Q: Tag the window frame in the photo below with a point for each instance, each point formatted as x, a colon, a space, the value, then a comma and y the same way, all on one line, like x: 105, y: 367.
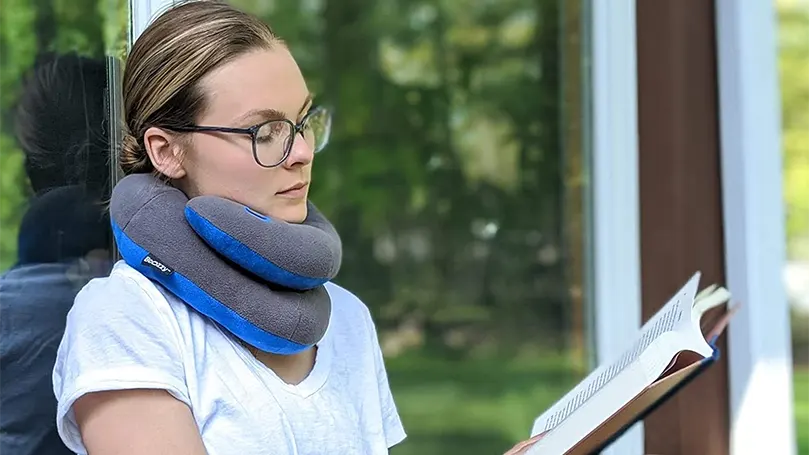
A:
x: 615, y: 190
x: 759, y: 349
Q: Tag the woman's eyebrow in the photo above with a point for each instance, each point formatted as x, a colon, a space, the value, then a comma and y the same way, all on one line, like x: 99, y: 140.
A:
x: 271, y: 114
x: 261, y: 115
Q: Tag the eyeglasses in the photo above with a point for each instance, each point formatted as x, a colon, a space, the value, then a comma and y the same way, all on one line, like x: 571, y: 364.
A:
x: 273, y: 139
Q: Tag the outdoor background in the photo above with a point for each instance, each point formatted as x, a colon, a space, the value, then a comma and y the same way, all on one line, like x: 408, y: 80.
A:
x: 458, y: 176
x: 793, y: 65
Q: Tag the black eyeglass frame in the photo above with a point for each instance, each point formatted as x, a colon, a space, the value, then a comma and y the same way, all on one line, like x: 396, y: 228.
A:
x: 297, y: 128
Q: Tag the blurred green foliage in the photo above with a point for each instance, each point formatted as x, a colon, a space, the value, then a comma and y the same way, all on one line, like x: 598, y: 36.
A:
x: 801, y: 387
x: 793, y: 63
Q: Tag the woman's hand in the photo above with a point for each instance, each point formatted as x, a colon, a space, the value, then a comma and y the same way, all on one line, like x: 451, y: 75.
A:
x: 522, y: 447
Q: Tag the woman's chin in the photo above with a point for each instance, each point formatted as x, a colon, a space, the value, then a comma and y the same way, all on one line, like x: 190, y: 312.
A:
x: 291, y: 211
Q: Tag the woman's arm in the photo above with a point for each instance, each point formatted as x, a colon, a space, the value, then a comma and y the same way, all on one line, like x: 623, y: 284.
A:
x: 119, y: 376
x: 137, y: 422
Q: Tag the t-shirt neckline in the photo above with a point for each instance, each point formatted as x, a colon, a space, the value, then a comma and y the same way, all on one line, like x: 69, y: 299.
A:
x: 313, y: 382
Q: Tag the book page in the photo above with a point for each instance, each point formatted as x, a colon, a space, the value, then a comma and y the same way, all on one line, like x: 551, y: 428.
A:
x: 593, y: 412
x: 634, y: 409
x: 682, y: 368
x: 666, y: 320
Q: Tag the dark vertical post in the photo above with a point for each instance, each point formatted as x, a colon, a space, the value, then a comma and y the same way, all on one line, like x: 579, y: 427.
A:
x: 680, y: 199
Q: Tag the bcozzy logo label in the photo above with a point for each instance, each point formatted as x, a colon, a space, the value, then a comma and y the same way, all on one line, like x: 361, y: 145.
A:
x: 157, y: 265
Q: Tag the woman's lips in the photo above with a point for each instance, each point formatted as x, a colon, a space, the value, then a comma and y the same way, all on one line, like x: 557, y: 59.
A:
x: 296, y: 191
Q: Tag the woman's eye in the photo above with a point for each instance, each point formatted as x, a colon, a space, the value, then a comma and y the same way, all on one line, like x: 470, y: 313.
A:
x: 271, y: 132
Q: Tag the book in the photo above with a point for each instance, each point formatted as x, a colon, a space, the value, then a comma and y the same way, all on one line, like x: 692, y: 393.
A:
x: 671, y: 348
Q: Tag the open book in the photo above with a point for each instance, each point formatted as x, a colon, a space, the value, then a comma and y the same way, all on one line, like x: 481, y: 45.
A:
x: 670, y: 349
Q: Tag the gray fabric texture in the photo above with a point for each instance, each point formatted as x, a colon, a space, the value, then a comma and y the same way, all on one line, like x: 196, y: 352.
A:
x: 151, y: 214
x: 311, y: 249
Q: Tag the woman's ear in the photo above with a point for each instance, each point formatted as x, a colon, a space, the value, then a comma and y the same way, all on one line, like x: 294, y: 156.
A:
x: 165, y: 152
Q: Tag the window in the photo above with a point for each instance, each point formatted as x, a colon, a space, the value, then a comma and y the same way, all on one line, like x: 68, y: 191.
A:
x: 57, y: 123
x: 458, y: 176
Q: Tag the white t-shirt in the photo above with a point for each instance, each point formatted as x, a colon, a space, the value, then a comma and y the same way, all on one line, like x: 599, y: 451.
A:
x: 124, y: 332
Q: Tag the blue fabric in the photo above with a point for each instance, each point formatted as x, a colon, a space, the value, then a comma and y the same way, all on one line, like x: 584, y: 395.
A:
x: 201, y: 301
x: 34, y: 301
x: 245, y: 257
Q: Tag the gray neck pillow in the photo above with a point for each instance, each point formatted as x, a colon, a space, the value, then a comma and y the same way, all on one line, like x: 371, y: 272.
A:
x: 258, y: 277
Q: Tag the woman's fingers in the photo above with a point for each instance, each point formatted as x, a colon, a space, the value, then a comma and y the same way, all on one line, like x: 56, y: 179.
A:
x: 521, y: 447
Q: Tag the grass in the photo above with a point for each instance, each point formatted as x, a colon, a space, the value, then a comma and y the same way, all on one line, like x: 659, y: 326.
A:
x: 485, y: 406
x: 801, y: 387
x: 481, y: 406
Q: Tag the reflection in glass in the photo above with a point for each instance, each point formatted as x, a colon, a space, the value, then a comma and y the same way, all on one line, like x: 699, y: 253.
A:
x: 457, y: 177
x: 54, y: 169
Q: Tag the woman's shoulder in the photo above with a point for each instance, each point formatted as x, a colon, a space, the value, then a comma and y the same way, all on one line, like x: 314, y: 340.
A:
x: 350, y: 317
x: 122, y: 281
x: 118, y: 291
x: 123, y: 297
x: 345, y: 302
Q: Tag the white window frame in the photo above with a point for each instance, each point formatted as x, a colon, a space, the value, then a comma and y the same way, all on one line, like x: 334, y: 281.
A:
x: 616, y: 197
x: 759, y: 349
x: 614, y: 164
x: 141, y: 13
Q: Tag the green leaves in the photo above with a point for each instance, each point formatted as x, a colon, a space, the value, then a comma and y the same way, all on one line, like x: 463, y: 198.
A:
x: 793, y: 63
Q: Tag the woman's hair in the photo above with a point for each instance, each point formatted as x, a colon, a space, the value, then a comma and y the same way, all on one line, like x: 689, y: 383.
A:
x: 61, y: 123
x: 161, y: 84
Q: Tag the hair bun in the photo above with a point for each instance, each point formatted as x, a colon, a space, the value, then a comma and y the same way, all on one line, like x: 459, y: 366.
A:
x: 133, y: 158
x: 130, y: 145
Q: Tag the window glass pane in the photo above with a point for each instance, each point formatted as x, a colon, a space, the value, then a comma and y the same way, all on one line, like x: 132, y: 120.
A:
x: 458, y: 178
x: 55, y: 129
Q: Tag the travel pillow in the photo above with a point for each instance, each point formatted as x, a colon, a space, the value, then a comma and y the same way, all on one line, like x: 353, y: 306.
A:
x: 260, y: 278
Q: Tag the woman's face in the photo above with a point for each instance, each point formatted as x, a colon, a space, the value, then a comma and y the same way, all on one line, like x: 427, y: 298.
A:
x: 256, y: 87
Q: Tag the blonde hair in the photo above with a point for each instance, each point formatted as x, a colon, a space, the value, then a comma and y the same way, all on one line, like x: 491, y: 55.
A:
x: 161, y: 83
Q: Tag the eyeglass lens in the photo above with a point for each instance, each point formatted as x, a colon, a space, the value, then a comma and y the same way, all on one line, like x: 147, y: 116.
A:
x: 273, y: 140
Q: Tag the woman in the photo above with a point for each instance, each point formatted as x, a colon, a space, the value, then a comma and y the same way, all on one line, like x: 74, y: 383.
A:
x: 138, y: 371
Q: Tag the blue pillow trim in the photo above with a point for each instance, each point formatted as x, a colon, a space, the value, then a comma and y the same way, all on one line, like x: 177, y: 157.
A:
x: 256, y: 214
x: 201, y: 301
x: 245, y: 257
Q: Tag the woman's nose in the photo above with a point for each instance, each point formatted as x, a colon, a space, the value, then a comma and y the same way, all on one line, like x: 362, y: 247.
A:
x: 301, y: 152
